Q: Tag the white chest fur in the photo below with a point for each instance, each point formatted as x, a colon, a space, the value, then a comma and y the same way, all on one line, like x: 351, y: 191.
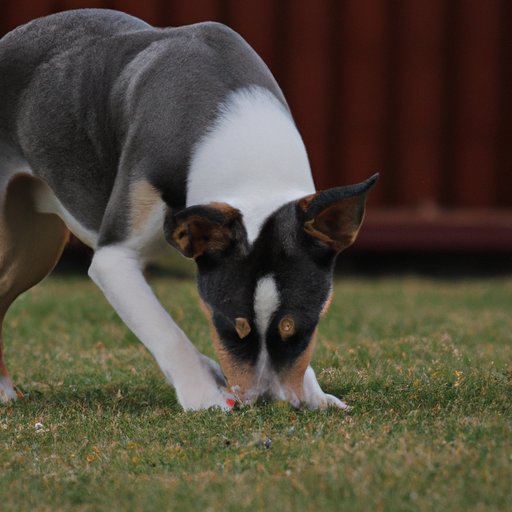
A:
x: 253, y: 159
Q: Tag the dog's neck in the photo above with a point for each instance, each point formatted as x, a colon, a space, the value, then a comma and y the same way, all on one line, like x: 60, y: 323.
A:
x: 253, y: 158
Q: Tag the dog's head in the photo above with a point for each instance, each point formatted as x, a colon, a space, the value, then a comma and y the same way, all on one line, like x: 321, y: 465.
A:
x: 264, y: 300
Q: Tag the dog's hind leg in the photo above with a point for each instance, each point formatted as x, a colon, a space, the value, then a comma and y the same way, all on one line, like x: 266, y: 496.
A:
x: 30, y: 245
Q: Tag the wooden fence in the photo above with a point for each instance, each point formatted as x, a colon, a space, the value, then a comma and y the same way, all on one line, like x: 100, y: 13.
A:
x: 420, y: 90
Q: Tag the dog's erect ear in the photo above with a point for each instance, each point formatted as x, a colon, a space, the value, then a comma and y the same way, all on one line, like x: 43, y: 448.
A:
x: 334, y: 216
x: 204, y: 229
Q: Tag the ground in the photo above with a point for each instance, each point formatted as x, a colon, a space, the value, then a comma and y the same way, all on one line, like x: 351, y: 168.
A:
x: 424, y: 364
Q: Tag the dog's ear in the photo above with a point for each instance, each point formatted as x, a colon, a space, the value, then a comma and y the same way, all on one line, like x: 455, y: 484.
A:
x: 334, y: 216
x: 204, y: 229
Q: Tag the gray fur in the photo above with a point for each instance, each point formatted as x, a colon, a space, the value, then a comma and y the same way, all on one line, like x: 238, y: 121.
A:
x: 94, y: 99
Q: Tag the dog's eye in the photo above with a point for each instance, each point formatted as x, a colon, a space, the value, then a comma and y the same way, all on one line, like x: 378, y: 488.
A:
x: 242, y: 327
x: 286, y: 327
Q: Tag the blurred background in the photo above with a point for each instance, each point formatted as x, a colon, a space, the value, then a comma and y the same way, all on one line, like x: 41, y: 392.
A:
x: 419, y: 90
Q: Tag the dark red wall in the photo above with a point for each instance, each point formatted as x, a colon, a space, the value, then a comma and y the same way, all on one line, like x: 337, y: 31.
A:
x: 420, y: 90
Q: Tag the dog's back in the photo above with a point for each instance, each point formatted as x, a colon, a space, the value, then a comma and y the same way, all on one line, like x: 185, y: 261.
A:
x: 44, y: 45
x: 93, y: 93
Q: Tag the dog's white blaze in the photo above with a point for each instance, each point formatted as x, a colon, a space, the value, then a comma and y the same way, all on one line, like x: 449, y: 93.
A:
x: 266, y: 302
x: 253, y: 159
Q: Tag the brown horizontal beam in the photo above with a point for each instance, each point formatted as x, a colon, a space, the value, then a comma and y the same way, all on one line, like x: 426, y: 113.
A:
x: 458, y: 230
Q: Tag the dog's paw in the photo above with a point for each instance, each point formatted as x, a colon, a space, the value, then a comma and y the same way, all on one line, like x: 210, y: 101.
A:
x: 323, y: 400
x: 205, y: 388
x: 315, y: 398
x: 7, y: 392
x: 201, y: 398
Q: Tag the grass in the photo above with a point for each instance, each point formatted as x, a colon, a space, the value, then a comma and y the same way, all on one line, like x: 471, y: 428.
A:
x: 425, y: 365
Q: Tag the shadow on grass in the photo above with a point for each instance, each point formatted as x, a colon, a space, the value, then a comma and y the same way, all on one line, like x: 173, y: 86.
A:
x: 114, y: 397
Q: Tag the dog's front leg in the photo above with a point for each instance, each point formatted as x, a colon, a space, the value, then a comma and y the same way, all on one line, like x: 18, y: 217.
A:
x: 197, y: 379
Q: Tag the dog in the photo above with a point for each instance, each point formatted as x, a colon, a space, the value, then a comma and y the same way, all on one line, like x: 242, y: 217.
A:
x: 133, y: 137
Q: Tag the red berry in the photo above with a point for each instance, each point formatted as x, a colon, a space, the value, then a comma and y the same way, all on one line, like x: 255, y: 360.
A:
x: 230, y: 402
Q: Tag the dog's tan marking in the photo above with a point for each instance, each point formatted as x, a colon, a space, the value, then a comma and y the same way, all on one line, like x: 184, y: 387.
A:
x: 30, y: 244
x: 143, y: 199
x: 181, y: 239
x: 286, y: 327
x: 305, y: 202
x: 226, y: 209
x: 293, y: 376
x: 3, y: 369
x: 327, y: 304
x: 237, y: 374
x: 242, y: 327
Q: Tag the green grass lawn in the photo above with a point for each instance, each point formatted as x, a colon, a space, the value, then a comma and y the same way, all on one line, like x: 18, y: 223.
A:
x: 424, y: 364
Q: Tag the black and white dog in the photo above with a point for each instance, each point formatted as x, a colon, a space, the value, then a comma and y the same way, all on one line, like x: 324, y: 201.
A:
x: 129, y: 136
